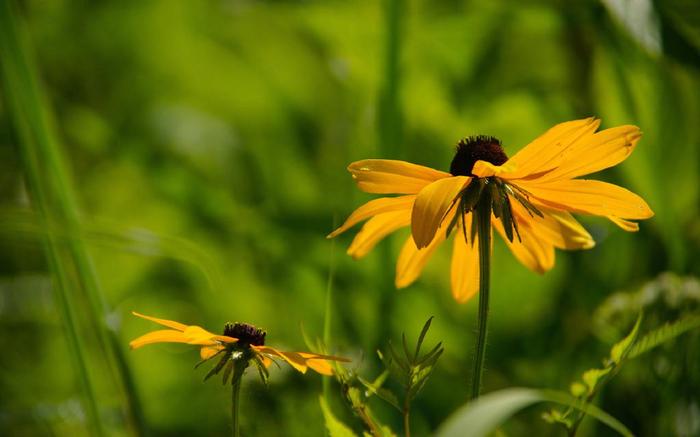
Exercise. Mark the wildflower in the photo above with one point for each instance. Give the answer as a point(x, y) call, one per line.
point(240, 341)
point(530, 197)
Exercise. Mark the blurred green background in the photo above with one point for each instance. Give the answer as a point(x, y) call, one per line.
point(207, 143)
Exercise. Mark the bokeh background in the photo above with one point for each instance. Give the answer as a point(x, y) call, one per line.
point(207, 141)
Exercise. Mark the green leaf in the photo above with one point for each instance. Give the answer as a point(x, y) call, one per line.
point(592, 376)
point(227, 371)
point(375, 388)
point(432, 356)
point(484, 415)
point(220, 365)
point(335, 427)
point(577, 389)
point(622, 348)
point(405, 347)
point(664, 334)
point(421, 337)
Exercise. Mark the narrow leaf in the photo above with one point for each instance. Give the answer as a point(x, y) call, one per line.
point(622, 348)
point(421, 337)
point(664, 334)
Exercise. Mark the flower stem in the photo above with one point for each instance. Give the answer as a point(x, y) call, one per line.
point(238, 369)
point(483, 230)
point(407, 417)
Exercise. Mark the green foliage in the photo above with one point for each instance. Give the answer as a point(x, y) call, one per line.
point(335, 427)
point(483, 416)
point(664, 334)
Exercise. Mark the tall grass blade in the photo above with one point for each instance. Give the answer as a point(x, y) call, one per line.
point(52, 197)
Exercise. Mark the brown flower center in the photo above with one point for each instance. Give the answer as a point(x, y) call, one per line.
point(478, 148)
point(245, 333)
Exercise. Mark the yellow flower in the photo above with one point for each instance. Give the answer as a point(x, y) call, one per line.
point(240, 340)
point(532, 195)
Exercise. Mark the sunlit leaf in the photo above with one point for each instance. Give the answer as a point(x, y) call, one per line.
point(335, 427)
point(484, 415)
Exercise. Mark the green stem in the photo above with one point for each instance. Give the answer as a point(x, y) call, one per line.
point(327, 321)
point(238, 370)
point(483, 230)
point(406, 417)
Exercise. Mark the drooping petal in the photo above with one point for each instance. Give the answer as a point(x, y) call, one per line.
point(375, 229)
point(412, 260)
point(549, 150)
point(533, 251)
point(161, 336)
point(301, 360)
point(168, 323)
point(292, 358)
point(465, 266)
point(597, 152)
point(431, 205)
point(321, 366)
point(373, 208)
point(384, 176)
point(590, 197)
point(320, 363)
point(558, 228)
point(627, 225)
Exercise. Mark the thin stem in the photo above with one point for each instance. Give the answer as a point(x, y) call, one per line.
point(238, 369)
point(327, 320)
point(235, 395)
point(406, 417)
point(483, 229)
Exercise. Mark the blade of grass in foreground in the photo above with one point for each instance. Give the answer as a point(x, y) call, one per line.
point(327, 319)
point(52, 197)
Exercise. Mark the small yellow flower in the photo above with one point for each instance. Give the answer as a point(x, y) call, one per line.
point(532, 195)
point(240, 340)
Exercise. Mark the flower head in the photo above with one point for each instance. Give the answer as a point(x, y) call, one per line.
point(531, 198)
point(240, 341)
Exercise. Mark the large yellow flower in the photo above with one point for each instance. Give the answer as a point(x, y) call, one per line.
point(531, 195)
point(240, 340)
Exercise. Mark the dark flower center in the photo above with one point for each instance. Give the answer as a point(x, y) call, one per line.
point(245, 333)
point(478, 148)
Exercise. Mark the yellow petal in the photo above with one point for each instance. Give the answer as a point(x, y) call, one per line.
point(597, 152)
point(198, 335)
point(167, 323)
point(320, 363)
point(375, 207)
point(533, 252)
point(547, 151)
point(558, 228)
point(412, 260)
point(267, 362)
point(385, 176)
point(292, 358)
point(465, 266)
point(590, 197)
point(207, 352)
point(320, 366)
point(161, 336)
point(431, 205)
point(377, 228)
point(624, 224)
